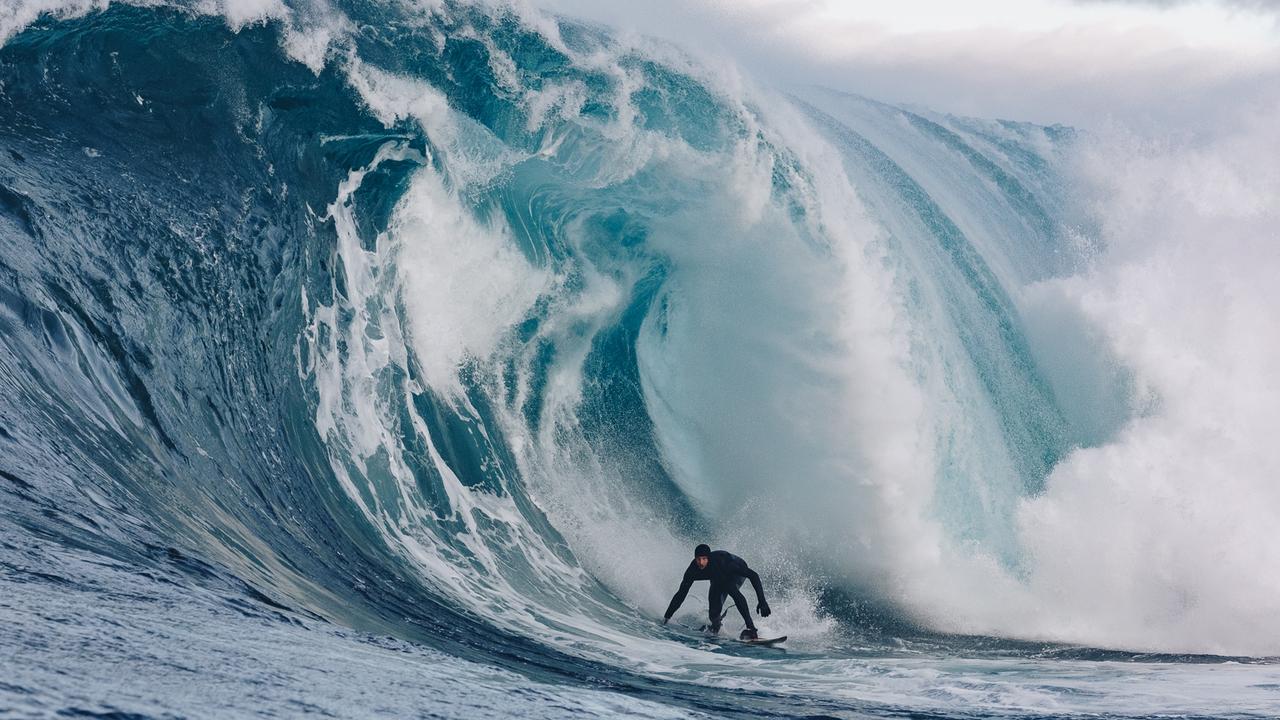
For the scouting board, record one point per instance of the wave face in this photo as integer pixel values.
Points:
(457, 325)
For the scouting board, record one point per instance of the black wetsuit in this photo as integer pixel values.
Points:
(726, 572)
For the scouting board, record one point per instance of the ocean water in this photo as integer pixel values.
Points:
(387, 359)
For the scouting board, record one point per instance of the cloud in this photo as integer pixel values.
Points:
(1078, 62)
(1264, 6)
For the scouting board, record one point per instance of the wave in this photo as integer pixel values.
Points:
(466, 321)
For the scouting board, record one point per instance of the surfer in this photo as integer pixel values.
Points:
(726, 573)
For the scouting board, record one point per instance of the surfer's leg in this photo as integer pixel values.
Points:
(741, 601)
(715, 604)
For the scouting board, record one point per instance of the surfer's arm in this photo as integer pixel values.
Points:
(754, 577)
(680, 595)
(762, 605)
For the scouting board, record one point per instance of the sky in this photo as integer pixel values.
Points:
(1170, 63)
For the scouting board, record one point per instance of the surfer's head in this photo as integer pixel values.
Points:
(702, 555)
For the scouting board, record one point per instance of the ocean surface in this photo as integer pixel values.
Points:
(376, 359)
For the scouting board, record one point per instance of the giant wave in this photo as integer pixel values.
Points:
(458, 324)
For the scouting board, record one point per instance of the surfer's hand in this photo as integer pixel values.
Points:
(763, 609)
(664, 620)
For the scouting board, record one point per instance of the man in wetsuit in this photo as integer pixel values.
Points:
(726, 573)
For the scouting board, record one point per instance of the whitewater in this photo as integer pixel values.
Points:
(388, 359)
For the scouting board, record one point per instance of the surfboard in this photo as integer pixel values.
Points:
(767, 642)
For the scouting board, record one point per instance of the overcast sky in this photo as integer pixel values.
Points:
(1173, 63)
